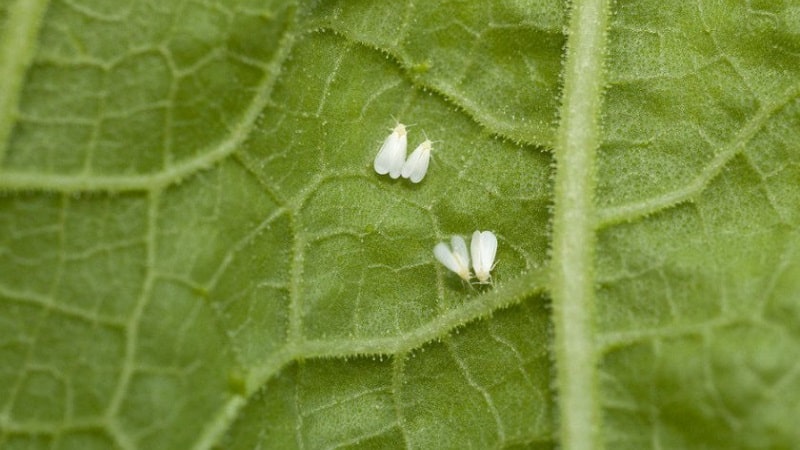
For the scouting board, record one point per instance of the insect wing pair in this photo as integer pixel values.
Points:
(454, 257)
(392, 155)
(483, 248)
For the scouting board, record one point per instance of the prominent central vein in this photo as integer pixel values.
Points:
(573, 275)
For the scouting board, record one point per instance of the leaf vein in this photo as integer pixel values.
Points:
(633, 211)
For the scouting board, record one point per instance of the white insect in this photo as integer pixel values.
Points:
(416, 165)
(392, 155)
(455, 259)
(483, 248)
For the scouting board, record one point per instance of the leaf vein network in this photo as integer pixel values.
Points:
(637, 210)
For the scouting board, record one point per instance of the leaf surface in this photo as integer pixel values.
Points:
(195, 251)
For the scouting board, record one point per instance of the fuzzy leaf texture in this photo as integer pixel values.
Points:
(196, 253)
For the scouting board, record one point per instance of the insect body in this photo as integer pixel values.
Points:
(483, 248)
(392, 155)
(454, 257)
(416, 165)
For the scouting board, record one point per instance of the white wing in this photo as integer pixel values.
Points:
(475, 249)
(488, 249)
(446, 257)
(457, 259)
(392, 155)
(462, 256)
(483, 248)
(416, 166)
(399, 156)
(460, 249)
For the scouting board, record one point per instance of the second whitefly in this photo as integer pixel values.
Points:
(416, 166)
(483, 249)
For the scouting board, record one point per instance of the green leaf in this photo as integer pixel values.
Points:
(195, 251)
